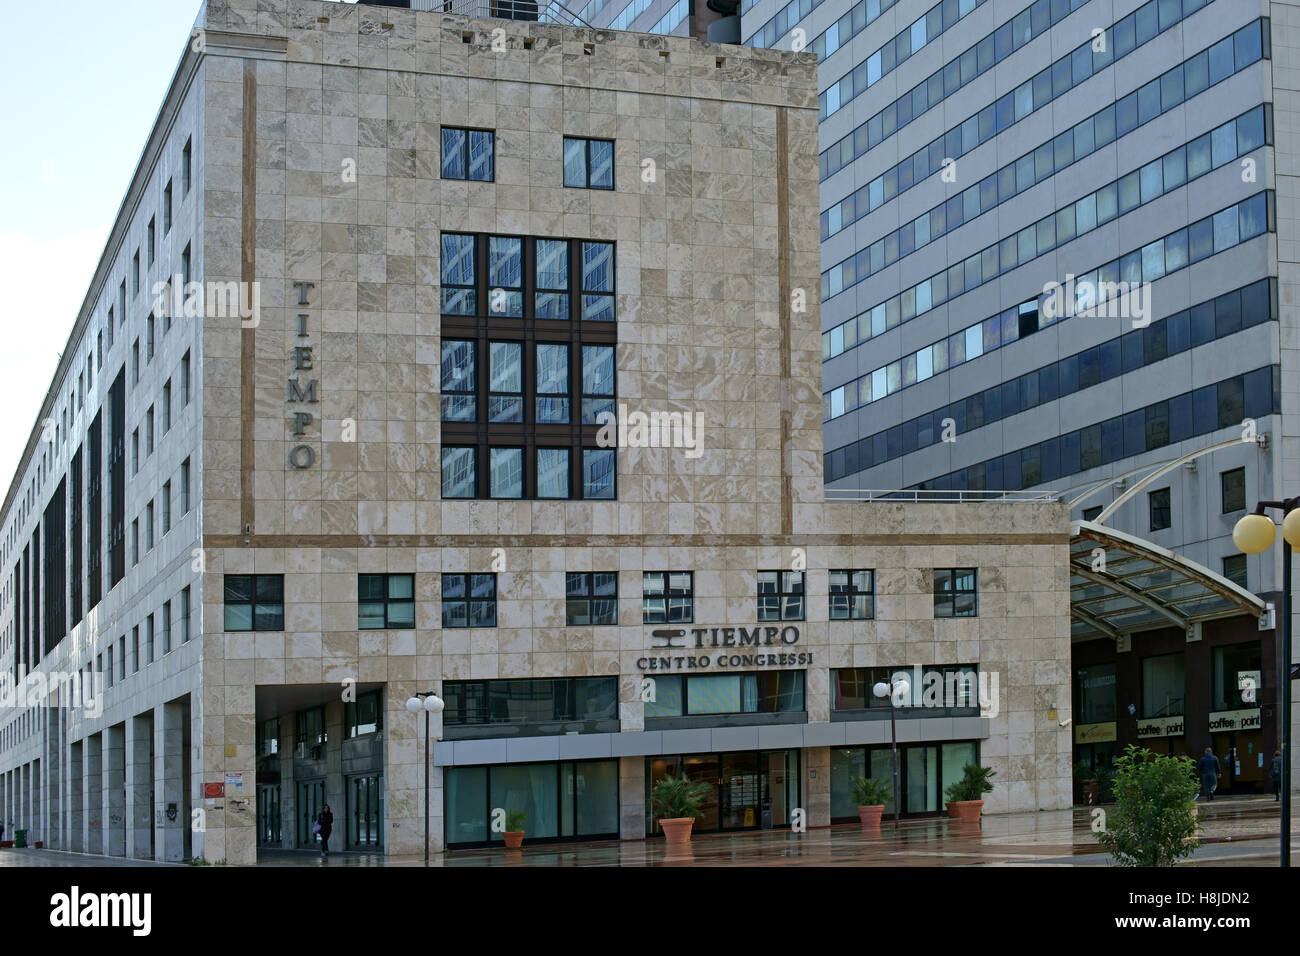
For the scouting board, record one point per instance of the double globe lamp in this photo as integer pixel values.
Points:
(431, 704)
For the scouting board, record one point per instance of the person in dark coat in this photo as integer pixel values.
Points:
(1275, 774)
(326, 821)
(1210, 770)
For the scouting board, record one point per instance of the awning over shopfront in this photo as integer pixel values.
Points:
(1120, 583)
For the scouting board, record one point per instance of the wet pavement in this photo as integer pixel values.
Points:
(1238, 831)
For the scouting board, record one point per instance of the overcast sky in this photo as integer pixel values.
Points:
(83, 82)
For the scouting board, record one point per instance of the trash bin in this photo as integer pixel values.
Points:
(20, 838)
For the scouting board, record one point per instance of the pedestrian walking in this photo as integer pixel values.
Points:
(1275, 774)
(1210, 770)
(326, 823)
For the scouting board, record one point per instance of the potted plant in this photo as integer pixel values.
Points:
(514, 833)
(870, 796)
(966, 796)
(676, 802)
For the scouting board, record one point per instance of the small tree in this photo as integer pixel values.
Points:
(1154, 821)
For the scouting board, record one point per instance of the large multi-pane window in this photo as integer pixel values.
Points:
(588, 163)
(668, 597)
(1237, 672)
(955, 592)
(852, 595)
(365, 715)
(766, 692)
(469, 600)
(468, 154)
(529, 701)
(527, 366)
(254, 602)
(1163, 686)
(590, 598)
(385, 601)
(781, 596)
(1160, 511)
(928, 687)
(1095, 694)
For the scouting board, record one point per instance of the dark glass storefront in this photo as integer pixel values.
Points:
(748, 790)
(925, 770)
(574, 800)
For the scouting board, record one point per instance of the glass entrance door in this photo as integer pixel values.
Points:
(365, 812)
(268, 815)
(311, 797)
(740, 796)
(743, 787)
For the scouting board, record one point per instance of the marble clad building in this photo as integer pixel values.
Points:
(432, 257)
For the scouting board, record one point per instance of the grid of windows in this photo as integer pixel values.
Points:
(590, 598)
(253, 602)
(529, 701)
(939, 685)
(385, 601)
(668, 597)
(781, 596)
(955, 592)
(1217, 318)
(768, 692)
(527, 367)
(468, 154)
(588, 163)
(469, 600)
(1188, 415)
(852, 595)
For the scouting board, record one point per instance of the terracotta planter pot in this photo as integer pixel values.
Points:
(965, 811)
(677, 829)
(870, 816)
(513, 839)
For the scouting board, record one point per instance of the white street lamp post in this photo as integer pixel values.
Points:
(894, 689)
(430, 703)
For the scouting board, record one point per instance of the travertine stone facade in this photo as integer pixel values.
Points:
(319, 163)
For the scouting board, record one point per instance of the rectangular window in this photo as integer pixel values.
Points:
(185, 615)
(781, 596)
(135, 274)
(598, 282)
(553, 475)
(385, 601)
(1162, 686)
(591, 599)
(363, 716)
(506, 276)
(135, 452)
(187, 155)
(1234, 569)
(253, 602)
(668, 597)
(167, 407)
(108, 660)
(148, 432)
(121, 657)
(167, 208)
(166, 626)
(185, 267)
(468, 154)
(938, 686)
(148, 639)
(166, 500)
(852, 595)
(1095, 688)
(185, 487)
(1159, 509)
(506, 388)
(458, 472)
(459, 388)
(529, 701)
(597, 382)
(185, 379)
(457, 272)
(695, 695)
(135, 362)
(955, 592)
(506, 472)
(588, 163)
(1233, 485)
(135, 542)
(552, 384)
(150, 244)
(310, 733)
(148, 524)
(552, 279)
(469, 600)
(1237, 670)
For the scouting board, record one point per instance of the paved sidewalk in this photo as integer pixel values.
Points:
(1237, 831)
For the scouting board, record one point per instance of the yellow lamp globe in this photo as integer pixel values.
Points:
(1291, 528)
(1254, 533)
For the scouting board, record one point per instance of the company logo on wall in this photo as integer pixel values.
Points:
(302, 456)
(1159, 727)
(748, 641)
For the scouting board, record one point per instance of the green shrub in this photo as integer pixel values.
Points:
(973, 784)
(516, 820)
(868, 792)
(1154, 821)
(676, 797)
